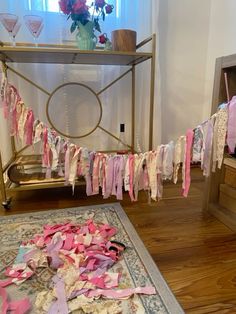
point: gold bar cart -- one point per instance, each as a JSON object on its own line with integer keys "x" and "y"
{"x": 64, "y": 54}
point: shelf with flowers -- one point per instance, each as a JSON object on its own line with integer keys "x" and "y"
{"x": 84, "y": 22}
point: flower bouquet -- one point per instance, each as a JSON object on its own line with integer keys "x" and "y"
{"x": 85, "y": 18}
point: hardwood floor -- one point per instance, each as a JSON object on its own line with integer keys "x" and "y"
{"x": 195, "y": 252}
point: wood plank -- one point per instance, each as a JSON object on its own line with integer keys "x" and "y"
{"x": 230, "y": 176}
{"x": 231, "y": 162}
{"x": 225, "y": 215}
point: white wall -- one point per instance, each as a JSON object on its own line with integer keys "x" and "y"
{"x": 222, "y": 41}
{"x": 184, "y": 30}
{"x": 193, "y": 34}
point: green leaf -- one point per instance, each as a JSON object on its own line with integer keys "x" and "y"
{"x": 73, "y": 27}
{"x": 103, "y": 15}
{"x": 97, "y": 26}
{"x": 75, "y": 17}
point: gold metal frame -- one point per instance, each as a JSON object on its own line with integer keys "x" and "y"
{"x": 92, "y": 91}
{"x": 48, "y": 54}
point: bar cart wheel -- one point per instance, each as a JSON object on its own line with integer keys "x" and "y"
{"x": 7, "y": 204}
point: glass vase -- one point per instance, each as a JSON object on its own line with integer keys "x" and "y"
{"x": 86, "y": 39}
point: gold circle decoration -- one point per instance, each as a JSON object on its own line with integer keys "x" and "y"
{"x": 91, "y": 91}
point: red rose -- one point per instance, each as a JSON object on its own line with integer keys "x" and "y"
{"x": 109, "y": 8}
{"x": 100, "y": 3}
{"x": 102, "y": 39}
{"x": 80, "y": 6}
{"x": 64, "y": 6}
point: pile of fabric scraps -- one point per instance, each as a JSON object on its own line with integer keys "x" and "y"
{"x": 82, "y": 256}
{"x": 132, "y": 172}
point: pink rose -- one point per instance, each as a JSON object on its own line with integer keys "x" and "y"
{"x": 64, "y": 6}
{"x": 109, "y": 8}
{"x": 80, "y": 6}
{"x": 100, "y": 3}
{"x": 102, "y": 39}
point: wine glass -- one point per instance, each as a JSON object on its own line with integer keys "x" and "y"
{"x": 15, "y": 31}
{"x": 34, "y": 24}
{"x": 39, "y": 30}
{"x": 9, "y": 21}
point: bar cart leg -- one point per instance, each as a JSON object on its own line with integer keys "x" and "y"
{"x": 5, "y": 201}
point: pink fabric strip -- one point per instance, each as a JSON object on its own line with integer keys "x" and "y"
{"x": 60, "y": 148}
{"x": 189, "y": 143}
{"x": 5, "y": 283}
{"x": 13, "y": 123}
{"x": 159, "y": 186}
{"x": 60, "y": 306}
{"x": 131, "y": 177}
{"x": 96, "y": 165}
{"x": 118, "y": 177}
{"x": 55, "y": 246}
{"x": 67, "y": 164}
{"x": 120, "y": 294}
{"x": 74, "y": 169}
{"x": 68, "y": 243}
{"x": 109, "y": 177}
{"x": 104, "y": 161}
{"x": 45, "y": 147}
{"x": 5, "y": 109}
{"x": 4, "y": 302}
{"x": 18, "y": 307}
{"x": 208, "y": 148}
{"x": 88, "y": 179}
{"x": 119, "y": 191}
{"x": 13, "y": 118}
{"x": 89, "y": 190}
{"x": 6, "y": 100}
{"x": 68, "y": 157}
{"x": 115, "y": 175}
{"x": 76, "y": 293}
{"x": 29, "y": 127}
{"x": 50, "y": 230}
{"x": 159, "y": 172}
{"x": 231, "y": 136}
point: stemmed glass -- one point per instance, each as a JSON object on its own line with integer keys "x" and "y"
{"x": 34, "y": 24}
{"x": 15, "y": 31}
{"x": 9, "y": 21}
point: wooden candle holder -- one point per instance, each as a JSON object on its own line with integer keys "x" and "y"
{"x": 123, "y": 40}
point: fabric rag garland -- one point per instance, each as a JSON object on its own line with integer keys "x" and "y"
{"x": 82, "y": 256}
{"x": 133, "y": 172}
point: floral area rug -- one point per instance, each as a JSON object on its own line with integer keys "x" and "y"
{"x": 137, "y": 267}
